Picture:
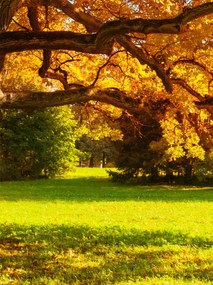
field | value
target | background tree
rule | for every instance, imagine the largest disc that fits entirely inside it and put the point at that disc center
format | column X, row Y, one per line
column 135, row 157
column 98, row 129
column 35, row 144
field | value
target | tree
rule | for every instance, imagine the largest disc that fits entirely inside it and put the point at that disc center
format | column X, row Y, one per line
column 35, row 144
column 121, row 53
column 98, row 129
column 163, row 147
column 135, row 157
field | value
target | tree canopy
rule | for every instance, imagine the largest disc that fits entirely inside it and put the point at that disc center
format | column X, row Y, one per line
column 152, row 60
column 117, row 52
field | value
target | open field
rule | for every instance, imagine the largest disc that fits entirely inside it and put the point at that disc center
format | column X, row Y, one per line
column 87, row 230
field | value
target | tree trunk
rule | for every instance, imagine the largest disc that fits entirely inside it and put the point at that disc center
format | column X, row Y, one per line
column 154, row 174
column 91, row 161
column 188, row 171
column 103, row 159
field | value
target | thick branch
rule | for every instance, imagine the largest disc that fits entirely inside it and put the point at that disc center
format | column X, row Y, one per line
column 33, row 19
column 113, row 29
column 9, row 8
column 80, row 94
column 18, row 41
column 190, row 14
column 206, row 102
column 28, row 100
column 21, row 41
column 46, row 63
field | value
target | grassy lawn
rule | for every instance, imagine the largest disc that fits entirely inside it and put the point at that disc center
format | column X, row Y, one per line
column 86, row 230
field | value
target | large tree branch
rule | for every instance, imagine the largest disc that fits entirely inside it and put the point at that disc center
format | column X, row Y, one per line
column 28, row 100
column 21, row 41
column 165, row 26
column 190, row 14
column 33, row 19
column 114, row 96
column 80, row 94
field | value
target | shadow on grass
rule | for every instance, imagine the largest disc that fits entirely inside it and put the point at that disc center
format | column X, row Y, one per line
column 98, row 189
column 82, row 255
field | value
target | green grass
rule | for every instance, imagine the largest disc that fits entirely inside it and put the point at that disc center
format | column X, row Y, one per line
column 86, row 230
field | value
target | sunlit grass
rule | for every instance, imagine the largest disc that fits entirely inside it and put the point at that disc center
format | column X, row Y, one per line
column 87, row 230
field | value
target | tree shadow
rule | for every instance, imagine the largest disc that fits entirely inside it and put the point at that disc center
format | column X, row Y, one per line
column 99, row 256
column 99, row 189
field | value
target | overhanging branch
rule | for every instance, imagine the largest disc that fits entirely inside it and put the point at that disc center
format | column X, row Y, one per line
column 32, row 100
column 22, row 41
column 112, row 29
